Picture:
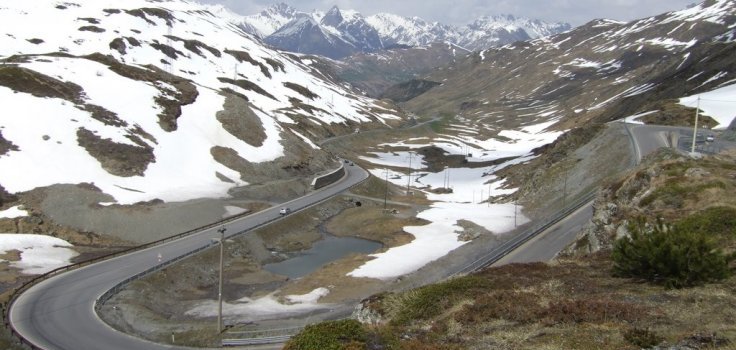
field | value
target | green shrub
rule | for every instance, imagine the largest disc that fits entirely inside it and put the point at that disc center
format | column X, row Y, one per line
column 669, row 255
column 719, row 221
column 430, row 301
column 671, row 194
column 331, row 335
column 675, row 190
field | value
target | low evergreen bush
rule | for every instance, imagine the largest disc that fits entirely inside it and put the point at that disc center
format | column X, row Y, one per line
column 669, row 254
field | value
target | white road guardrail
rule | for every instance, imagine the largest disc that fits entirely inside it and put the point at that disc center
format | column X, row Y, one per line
column 507, row 247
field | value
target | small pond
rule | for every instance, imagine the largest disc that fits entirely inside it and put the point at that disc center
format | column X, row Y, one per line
column 324, row 251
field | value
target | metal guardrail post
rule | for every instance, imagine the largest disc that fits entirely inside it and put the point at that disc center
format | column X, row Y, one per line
column 515, row 242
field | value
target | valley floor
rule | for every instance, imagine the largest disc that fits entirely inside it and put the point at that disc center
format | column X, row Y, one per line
column 180, row 298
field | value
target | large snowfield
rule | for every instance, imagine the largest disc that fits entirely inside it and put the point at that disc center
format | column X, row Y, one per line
column 471, row 188
column 719, row 104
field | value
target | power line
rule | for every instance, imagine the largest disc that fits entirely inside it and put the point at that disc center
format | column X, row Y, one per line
column 709, row 100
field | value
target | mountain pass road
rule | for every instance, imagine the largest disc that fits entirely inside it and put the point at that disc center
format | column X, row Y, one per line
column 59, row 312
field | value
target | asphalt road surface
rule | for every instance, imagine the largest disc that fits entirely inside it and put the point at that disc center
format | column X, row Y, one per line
column 547, row 244
column 58, row 313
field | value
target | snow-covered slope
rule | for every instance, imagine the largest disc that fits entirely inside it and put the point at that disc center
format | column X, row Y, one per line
column 413, row 31
column 153, row 99
column 493, row 31
column 270, row 20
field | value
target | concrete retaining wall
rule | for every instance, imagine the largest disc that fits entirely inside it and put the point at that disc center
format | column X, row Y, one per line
column 324, row 180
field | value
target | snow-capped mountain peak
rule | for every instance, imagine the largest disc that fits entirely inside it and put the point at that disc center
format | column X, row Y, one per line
column 332, row 18
column 395, row 29
column 270, row 19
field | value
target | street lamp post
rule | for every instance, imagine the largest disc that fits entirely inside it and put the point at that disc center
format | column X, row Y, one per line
column 385, row 194
column 564, row 192
column 408, row 182
column 221, row 230
column 695, row 128
column 446, row 179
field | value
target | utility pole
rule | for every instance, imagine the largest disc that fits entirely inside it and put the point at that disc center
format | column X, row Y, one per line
column 489, row 193
column 515, row 213
column 408, row 182
column 444, row 178
column 695, row 128
column 221, row 230
column 385, row 195
column 564, row 192
column 448, row 178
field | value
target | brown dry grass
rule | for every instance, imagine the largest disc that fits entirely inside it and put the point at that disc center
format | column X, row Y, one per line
column 373, row 224
column 575, row 304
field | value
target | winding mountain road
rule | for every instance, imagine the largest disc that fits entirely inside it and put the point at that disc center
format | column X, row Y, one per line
column 59, row 312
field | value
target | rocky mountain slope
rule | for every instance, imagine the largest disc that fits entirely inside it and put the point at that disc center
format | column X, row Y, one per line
column 667, row 186
column 601, row 71
column 159, row 100
column 375, row 72
column 340, row 33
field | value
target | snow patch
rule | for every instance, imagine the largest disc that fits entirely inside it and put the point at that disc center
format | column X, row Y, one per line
column 12, row 213
column 38, row 253
column 632, row 119
column 471, row 188
column 264, row 308
column 233, row 210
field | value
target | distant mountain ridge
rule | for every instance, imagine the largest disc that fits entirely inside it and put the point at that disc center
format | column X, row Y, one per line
column 485, row 32
column 340, row 33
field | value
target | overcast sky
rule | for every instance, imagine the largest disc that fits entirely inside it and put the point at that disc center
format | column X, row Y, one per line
column 459, row 12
